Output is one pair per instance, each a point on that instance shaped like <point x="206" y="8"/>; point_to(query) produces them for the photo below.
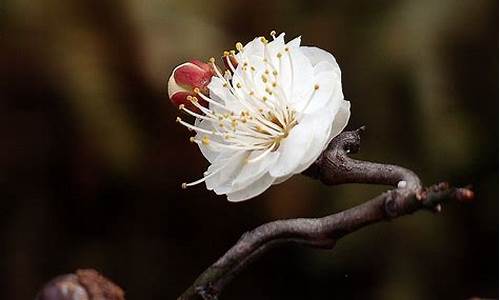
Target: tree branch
<point x="332" y="167"/>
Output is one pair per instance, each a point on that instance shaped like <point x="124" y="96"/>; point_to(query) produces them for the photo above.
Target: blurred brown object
<point x="85" y="284"/>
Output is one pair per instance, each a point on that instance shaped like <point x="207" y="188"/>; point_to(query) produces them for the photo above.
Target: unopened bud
<point x="187" y="80"/>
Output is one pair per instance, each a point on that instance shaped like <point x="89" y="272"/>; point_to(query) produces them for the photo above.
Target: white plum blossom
<point x="269" y="116"/>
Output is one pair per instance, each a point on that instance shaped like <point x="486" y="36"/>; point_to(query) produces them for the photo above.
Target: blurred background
<point x="91" y="159"/>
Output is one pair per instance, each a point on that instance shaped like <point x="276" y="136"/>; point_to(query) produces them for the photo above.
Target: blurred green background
<point x="91" y="159"/>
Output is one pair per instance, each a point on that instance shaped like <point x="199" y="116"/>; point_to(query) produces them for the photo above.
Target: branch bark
<point x="334" y="166"/>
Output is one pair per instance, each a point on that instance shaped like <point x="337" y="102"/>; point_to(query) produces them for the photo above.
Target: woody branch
<point x="334" y="166"/>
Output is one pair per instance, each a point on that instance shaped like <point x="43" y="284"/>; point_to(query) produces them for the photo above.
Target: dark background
<point x="91" y="159"/>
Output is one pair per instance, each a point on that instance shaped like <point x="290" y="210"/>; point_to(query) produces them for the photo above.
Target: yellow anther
<point x="225" y="85"/>
<point x="275" y="72"/>
<point x="264" y="40"/>
<point x="251" y="93"/>
<point x="181" y="107"/>
<point x="239" y="46"/>
<point x="178" y="120"/>
<point x="279" y="55"/>
<point x="273" y="33"/>
<point x="266" y="72"/>
<point x="205" y="140"/>
<point x="184" y="185"/>
<point x="226" y="53"/>
<point x="264" y="78"/>
<point x="245" y="64"/>
<point x="316" y="87"/>
<point x="238" y="85"/>
<point x="286" y="49"/>
<point x="192" y="139"/>
<point x="196" y="90"/>
<point x="252" y="68"/>
<point x="274" y="84"/>
<point x="211" y="60"/>
<point x="264" y="98"/>
<point x="232" y="52"/>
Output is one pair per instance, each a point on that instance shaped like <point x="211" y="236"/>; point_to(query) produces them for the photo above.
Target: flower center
<point x="247" y="130"/>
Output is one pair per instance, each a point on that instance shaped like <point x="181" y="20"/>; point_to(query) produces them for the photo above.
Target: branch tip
<point x="361" y="130"/>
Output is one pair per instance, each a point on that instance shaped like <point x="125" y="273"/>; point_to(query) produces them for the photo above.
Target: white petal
<point x="341" y="118"/>
<point x="292" y="149"/>
<point x="324" y="66"/>
<point x="277" y="45"/>
<point x="255" y="189"/>
<point x="217" y="89"/>
<point x="295" y="43"/>
<point x="319" y="142"/>
<point x="329" y="85"/>
<point x="255" y="47"/>
<point x="207" y="151"/>
<point x="231" y="164"/>
<point x="282" y="179"/>
<point x="322" y="138"/>
<point x="301" y="75"/>
<point x="317" y="55"/>
<point x="223" y="95"/>
<point x="254" y="170"/>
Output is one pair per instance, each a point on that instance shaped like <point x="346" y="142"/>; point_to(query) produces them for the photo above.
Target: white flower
<point x="269" y="117"/>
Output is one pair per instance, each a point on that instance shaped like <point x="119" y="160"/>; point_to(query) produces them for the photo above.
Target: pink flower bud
<point x="187" y="80"/>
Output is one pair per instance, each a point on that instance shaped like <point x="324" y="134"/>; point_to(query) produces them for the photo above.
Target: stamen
<point x="192" y="113"/>
<point x="316" y="87"/>
<point x="262" y="155"/>
<point x="196" y="128"/>
<point x="230" y="64"/>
